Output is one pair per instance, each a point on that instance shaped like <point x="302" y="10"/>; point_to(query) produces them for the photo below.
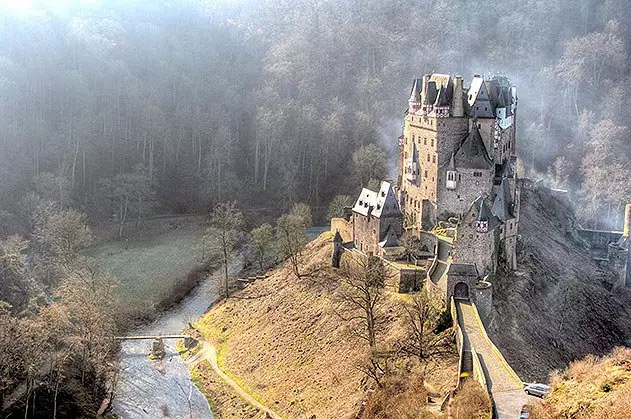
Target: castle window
<point x="459" y="177"/>
<point x="432" y="142"/>
<point x="477" y="174"/>
<point x="433" y="159"/>
<point x="406" y="154"/>
<point x="426" y="173"/>
<point x="428" y="157"/>
<point x="482" y="226"/>
<point x="451" y="179"/>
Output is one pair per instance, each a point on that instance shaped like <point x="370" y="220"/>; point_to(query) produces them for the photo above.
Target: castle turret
<point x="415" y="98"/>
<point x="458" y="105"/>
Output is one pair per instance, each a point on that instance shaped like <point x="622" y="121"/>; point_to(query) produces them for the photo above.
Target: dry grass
<point x="224" y="403"/>
<point x="471" y="402"/>
<point x="598" y="388"/>
<point x="403" y="396"/>
<point x="281" y="340"/>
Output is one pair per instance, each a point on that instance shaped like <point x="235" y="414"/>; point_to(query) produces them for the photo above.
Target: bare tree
<point x="226" y="223"/>
<point x="424" y="341"/>
<point x="360" y="293"/>
<point x="262" y="240"/>
<point x="292" y="238"/>
<point x="338" y="204"/>
<point x="64" y="233"/>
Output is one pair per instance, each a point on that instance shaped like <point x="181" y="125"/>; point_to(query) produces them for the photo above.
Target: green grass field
<point x="151" y="266"/>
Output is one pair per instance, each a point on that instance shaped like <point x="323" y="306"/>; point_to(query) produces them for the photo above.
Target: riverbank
<point x="149" y="388"/>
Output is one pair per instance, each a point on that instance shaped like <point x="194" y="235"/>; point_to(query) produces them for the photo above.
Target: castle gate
<point x="461" y="291"/>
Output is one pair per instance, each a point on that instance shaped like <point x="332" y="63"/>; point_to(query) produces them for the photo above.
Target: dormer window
<point x="482" y="226"/>
<point x="451" y="179"/>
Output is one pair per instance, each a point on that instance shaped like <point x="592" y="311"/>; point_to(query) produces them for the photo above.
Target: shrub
<point x="471" y="402"/>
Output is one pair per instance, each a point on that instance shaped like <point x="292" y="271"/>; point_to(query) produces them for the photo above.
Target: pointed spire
<point x="415" y="96"/>
<point x="452" y="164"/>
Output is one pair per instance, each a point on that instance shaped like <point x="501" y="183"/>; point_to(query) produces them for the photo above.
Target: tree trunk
<point x="225" y="268"/>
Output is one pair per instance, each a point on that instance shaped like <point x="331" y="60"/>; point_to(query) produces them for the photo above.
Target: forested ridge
<point x="265" y="101"/>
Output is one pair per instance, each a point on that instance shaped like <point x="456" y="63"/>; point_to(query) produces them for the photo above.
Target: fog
<point x="265" y="101"/>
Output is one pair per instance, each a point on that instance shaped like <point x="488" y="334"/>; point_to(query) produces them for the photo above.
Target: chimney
<point x="426" y="78"/>
<point x="457" y="104"/>
<point x="627" y="220"/>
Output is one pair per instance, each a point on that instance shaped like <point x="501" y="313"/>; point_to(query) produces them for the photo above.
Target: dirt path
<point x="209" y="353"/>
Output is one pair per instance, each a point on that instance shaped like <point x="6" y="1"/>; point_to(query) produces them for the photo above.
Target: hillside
<point x="591" y="388"/>
<point x="559" y="305"/>
<point x="282" y="341"/>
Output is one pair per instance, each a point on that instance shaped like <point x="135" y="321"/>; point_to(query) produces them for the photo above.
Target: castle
<point x="456" y="167"/>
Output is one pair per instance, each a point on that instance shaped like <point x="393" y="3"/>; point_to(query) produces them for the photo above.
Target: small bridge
<point x="157" y="342"/>
<point x="153" y="337"/>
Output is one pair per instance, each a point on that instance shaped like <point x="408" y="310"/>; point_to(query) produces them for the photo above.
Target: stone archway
<point x="461" y="291"/>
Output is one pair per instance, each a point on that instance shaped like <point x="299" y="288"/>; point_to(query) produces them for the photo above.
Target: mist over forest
<point x="187" y="103"/>
<point x="126" y="109"/>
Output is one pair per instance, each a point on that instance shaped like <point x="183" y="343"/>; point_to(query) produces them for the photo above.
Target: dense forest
<point x="113" y="110"/>
<point x="174" y="106"/>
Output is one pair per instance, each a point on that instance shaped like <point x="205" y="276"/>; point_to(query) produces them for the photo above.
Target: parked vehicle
<point x="539" y="390"/>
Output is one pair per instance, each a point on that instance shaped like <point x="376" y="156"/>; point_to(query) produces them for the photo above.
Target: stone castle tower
<point x="457" y="160"/>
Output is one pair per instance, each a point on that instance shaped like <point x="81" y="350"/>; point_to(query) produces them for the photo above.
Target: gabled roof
<point x="376" y="204"/>
<point x="479" y="99"/>
<point x="472" y="152"/>
<point x="485" y="213"/>
<point x="389" y="238"/>
<point x="366" y="201"/>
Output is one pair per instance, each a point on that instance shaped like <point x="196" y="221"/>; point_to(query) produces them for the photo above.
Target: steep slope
<point x="282" y="341"/>
<point x="559" y="305"/>
<point x="591" y="388"/>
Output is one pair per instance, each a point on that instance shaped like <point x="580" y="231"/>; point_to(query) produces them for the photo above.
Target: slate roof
<point x="415" y="95"/>
<point x="432" y="91"/>
<point x="472" y="152"/>
<point x="502" y="205"/>
<point x="463" y="269"/>
<point x="486" y="214"/>
<point x="376" y="204"/>
<point x="390" y="238"/>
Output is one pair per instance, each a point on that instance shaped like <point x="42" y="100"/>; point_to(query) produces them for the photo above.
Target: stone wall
<point x="344" y="227"/>
<point x="600" y="238"/>
<point x="435" y="139"/>
<point x="483" y="298"/>
<point x="468" y="189"/>
<point x="478" y="248"/>
<point x="366" y="233"/>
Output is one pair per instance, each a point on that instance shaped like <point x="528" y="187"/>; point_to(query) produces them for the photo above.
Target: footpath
<point x="208" y="352"/>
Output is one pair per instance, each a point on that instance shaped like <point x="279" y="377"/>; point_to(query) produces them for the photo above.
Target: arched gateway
<point x="461" y="291"/>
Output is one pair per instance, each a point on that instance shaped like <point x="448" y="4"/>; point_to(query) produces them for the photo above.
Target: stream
<point x="163" y="389"/>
